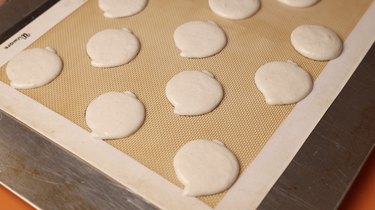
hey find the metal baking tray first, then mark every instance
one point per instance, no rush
(49, 176)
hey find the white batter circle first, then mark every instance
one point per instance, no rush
(121, 8)
(299, 3)
(205, 167)
(234, 9)
(316, 42)
(199, 39)
(33, 68)
(283, 82)
(194, 93)
(112, 47)
(115, 115)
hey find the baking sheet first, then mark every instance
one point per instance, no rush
(16, 14)
(242, 121)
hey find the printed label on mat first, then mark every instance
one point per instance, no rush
(37, 28)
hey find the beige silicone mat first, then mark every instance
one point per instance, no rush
(242, 121)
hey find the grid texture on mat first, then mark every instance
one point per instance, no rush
(243, 121)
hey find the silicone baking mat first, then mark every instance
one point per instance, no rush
(243, 121)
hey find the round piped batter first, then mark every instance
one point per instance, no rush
(33, 68)
(112, 47)
(205, 167)
(234, 9)
(299, 3)
(194, 92)
(121, 8)
(283, 82)
(316, 42)
(115, 115)
(199, 39)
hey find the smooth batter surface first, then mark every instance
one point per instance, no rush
(205, 167)
(316, 42)
(115, 115)
(234, 9)
(112, 47)
(121, 8)
(194, 92)
(283, 82)
(299, 3)
(199, 39)
(33, 68)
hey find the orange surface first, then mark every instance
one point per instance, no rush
(360, 197)
(9, 201)
(362, 194)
